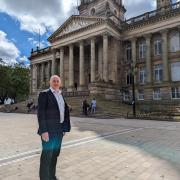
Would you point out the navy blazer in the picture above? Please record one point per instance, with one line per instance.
(49, 115)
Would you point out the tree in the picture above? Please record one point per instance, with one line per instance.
(14, 81)
(20, 81)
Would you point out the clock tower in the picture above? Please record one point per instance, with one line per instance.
(102, 8)
(163, 3)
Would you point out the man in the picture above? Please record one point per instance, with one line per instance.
(54, 121)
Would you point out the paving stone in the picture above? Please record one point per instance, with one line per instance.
(149, 153)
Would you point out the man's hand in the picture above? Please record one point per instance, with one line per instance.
(45, 136)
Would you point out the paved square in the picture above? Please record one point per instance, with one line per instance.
(96, 149)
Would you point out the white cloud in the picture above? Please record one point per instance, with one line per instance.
(138, 7)
(50, 14)
(35, 43)
(8, 51)
(24, 60)
(42, 14)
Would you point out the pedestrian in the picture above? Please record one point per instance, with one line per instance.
(93, 105)
(12, 101)
(54, 121)
(1, 100)
(85, 106)
(7, 103)
(29, 106)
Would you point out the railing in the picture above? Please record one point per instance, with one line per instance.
(40, 50)
(76, 93)
(151, 14)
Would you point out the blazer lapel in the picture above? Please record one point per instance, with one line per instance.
(53, 98)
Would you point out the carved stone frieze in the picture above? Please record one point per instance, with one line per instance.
(75, 25)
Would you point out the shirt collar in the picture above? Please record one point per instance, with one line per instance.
(54, 91)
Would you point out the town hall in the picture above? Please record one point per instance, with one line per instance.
(100, 52)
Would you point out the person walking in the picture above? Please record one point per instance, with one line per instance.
(93, 106)
(54, 121)
(85, 106)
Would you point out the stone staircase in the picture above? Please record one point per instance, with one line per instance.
(105, 108)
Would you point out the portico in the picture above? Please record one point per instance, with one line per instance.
(81, 58)
(92, 52)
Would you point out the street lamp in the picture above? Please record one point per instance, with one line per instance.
(132, 73)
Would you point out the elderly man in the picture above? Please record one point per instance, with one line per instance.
(54, 121)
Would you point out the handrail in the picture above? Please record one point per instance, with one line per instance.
(151, 14)
(76, 93)
(41, 50)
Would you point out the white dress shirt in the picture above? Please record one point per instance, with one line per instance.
(60, 102)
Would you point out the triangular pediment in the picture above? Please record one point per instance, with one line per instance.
(74, 23)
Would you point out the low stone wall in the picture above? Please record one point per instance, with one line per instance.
(106, 90)
(158, 106)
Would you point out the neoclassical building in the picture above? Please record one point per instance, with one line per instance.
(98, 50)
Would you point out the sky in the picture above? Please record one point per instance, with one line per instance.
(22, 20)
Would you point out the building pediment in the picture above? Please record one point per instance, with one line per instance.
(74, 23)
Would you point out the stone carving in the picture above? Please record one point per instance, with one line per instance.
(75, 25)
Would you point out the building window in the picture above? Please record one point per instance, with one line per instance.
(175, 71)
(142, 75)
(175, 92)
(175, 42)
(129, 79)
(128, 52)
(115, 12)
(157, 94)
(93, 11)
(157, 47)
(126, 96)
(142, 50)
(158, 73)
(141, 95)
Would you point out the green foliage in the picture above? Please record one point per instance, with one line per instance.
(14, 81)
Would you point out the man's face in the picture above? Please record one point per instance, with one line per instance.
(55, 83)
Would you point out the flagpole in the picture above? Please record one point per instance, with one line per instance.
(39, 38)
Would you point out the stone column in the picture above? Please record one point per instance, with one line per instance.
(48, 70)
(34, 78)
(31, 79)
(93, 67)
(71, 67)
(133, 44)
(38, 75)
(81, 66)
(53, 63)
(134, 56)
(62, 65)
(105, 57)
(100, 61)
(148, 59)
(42, 74)
(165, 55)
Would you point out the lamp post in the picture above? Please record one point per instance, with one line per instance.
(132, 73)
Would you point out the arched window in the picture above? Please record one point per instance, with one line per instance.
(174, 42)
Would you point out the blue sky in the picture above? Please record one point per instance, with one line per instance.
(21, 20)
